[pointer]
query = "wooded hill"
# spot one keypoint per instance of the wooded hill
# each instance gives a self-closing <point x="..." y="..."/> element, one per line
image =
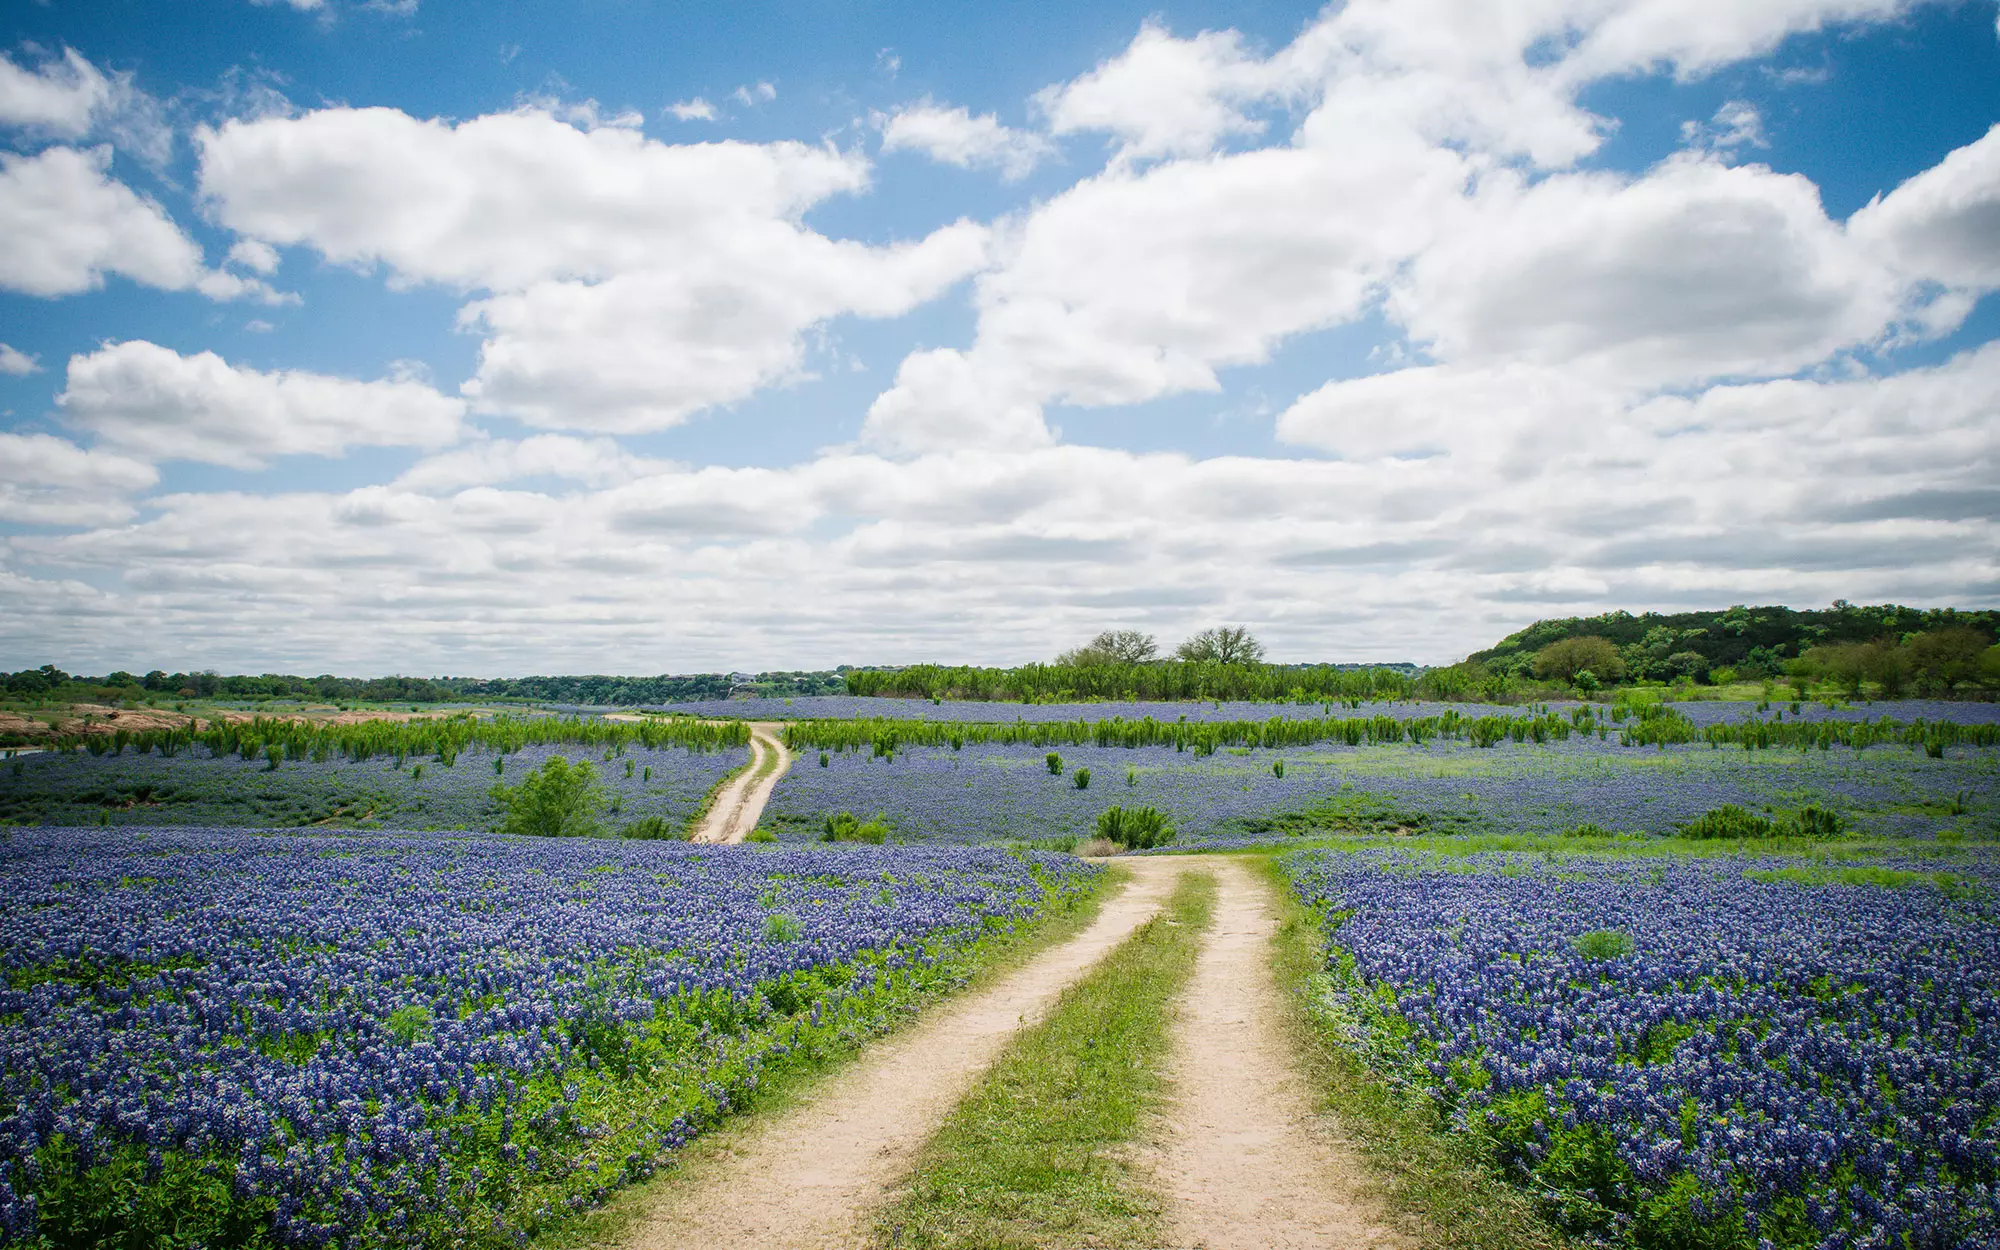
<point x="1754" y="642"/>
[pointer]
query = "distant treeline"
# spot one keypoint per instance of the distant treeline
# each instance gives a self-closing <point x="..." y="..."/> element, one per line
<point x="1747" y="642"/>
<point x="278" y="740"/>
<point x="49" y="681"/>
<point x="1157" y="681"/>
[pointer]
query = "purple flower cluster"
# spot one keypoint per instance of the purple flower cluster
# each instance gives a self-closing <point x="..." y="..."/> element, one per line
<point x="195" y="788"/>
<point x="1693" y="1051"/>
<point x="986" y="792"/>
<point x="359" y="1037"/>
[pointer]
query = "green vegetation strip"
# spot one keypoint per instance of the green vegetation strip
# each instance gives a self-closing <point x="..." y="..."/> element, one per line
<point x="1433" y="1181"/>
<point x="1035" y="1155"/>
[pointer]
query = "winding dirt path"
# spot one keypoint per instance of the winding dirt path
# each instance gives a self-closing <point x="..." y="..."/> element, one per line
<point x="740" y="805"/>
<point x="809" y="1178"/>
<point x="1245" y="1162"/>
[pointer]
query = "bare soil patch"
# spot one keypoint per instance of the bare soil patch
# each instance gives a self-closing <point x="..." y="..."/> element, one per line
<point x="740" y="804"/>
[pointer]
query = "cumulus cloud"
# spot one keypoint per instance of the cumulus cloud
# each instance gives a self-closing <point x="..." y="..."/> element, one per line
<point x="68" y="98"/>
<point x="955" y="137"/>
<point x="1165" y="96"/>
<point x="16" y="363"/>
<point x="1696" y="270"/>
<point x="631" y="282"/>
<point x="65" y="223"/>
<point x="150" y="401"/>
<point x="1943" y="225"/>
<point x="45" y="480"/>
<point x="695" y="110"/>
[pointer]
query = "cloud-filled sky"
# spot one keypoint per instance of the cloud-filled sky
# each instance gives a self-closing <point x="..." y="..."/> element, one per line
<point x="407" y="336"/>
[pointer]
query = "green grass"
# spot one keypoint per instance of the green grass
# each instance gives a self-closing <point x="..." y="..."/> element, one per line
<point x="792" y="1081"/>
<point x="1867" y="874"/>
<point x="1035" y="1156"/>
<point x="1435" y="1186"/>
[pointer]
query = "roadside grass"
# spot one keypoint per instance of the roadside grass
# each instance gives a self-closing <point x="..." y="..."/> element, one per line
<point x="799" y="1077"/>
<point x="1433" y="1183"/>
<point x="1035" y="1156"/>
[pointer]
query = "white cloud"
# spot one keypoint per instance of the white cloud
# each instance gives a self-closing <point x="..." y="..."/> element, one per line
<point x="16" y="363"/>
<point x="153" y="402"/>
<point x="955" y="137"/>
<point x="1696" y="270"/>
<point x="61" y="97"/>
<point x="45" y="480"/>
<point x="65" y="223"/>
<point x="1165" y="96"/>
<point x="303" y="6"/>
<point x="69" y="98"/>
<point x="631" y="282"/>
<point x="753" y="94"/>
<point x="1944" y="224"/>
<point x="1737" y="124"/>
<point x="695" y="110"/>
<point x="1798" y="491"/>
<point x="596" y="462"/>
<point x="255" y="256"/>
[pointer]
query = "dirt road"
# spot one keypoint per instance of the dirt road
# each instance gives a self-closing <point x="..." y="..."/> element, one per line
<point x="809" y="1178"/>
<point x="738" y="807"/>
<point x="1243" y="1161"/>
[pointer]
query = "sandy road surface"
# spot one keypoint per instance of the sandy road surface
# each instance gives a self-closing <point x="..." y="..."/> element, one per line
<point x="737" y="809"/>
<point x="1244" y="1162"/>
<point x="809" y="1178"/>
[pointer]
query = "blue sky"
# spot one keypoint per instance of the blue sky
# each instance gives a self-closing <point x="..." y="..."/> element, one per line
<point x="621" y="337"/>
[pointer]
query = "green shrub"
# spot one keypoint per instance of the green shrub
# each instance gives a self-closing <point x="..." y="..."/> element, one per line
<point x="1137" y="828"/>
<point x="557" y="800"/>
<point x="1278" y="769"/>
<point x="847" y="827"/>
<point x="778" y="927"/>
<point x="1813" y="821"/>
<point x="655" y="829"/>
<point x="1727" y="821"/>
<point x="1591" y="830"/>
<point x="1082" y="778"/>
<point x="761" y="835"/>
<point x="1055" y="763"/>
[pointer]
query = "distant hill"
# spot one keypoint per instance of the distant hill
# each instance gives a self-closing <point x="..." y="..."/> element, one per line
<point x="1756" y="642"/>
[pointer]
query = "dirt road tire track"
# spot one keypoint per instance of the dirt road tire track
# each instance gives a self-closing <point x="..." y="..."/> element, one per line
<point x="740" y="804"/>
<point x="1244" y="1162"/>
<point x="810" y="1178"/>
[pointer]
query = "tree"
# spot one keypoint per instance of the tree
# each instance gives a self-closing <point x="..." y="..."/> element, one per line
<point x="1942" y="658"/>
<point x="1224" y="644"/>
<point x="557" y="800"/>
<point x="1587" y="653"/>
<point x="1114" y="646"/>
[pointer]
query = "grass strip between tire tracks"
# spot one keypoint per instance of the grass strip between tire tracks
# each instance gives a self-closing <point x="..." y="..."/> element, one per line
<point x="1036" y="1154"/>
<point x="798" y="1076"/>
<point x="1435" y="1183"/>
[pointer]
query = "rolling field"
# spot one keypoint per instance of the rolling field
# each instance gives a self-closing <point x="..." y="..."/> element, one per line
<point x="1746" y="1051"/>
<point x="236" y="1038"/>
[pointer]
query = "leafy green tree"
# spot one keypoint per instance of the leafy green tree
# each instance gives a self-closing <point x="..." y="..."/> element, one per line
<point x="1224" y="644"/>
<point x="1942" y="658"/>
<point x="1114" y="646"/>
<point x="1562" y="661"/>
<point x="557" y="800"/>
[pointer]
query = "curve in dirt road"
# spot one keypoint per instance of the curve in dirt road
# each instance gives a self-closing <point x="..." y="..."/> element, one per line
<point x="811" y="1177"/>
<point x="740" y="804"/>
<point x="1245" y="1162"/>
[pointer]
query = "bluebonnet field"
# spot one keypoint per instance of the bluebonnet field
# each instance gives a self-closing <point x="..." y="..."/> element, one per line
<point x="1710" y="1052"/>
<point x="196" y="787"/>
<point x="365" y="1039"/>
<point x="985" y="792"/>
